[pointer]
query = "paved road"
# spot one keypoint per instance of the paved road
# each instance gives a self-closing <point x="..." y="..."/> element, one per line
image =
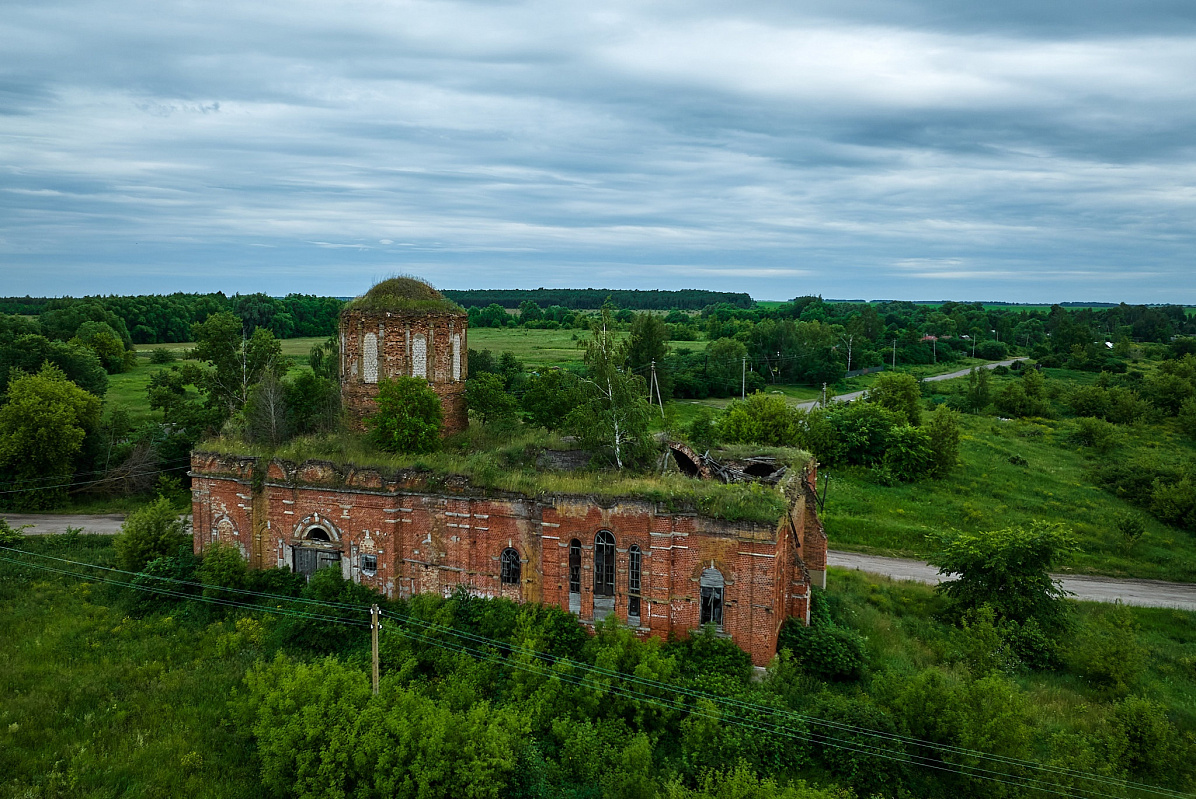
<point x="854" y="395"/>
<point x="47" y="523"/>
<point x="1147" y="593"/>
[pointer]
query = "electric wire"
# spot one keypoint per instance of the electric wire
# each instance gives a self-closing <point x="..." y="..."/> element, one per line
<point x="859" y="747"/>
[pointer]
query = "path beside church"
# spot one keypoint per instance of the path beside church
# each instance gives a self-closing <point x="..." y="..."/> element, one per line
<point x="1147" y="593"/>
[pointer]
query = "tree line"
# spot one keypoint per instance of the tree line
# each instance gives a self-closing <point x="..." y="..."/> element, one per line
<point x="579" y="299"/>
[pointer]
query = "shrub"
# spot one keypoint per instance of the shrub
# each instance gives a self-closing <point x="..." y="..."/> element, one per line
<point x="991" y="350"/>
<point x="10" y="537"/>
<point x="1130" y="527"/>
<point x="1150" y="745"/>
<point x="943" y="430"/>
<point x="900" y="394"/>
<point x="824" y="649"/>
<point x="222" y="567"/>
<point x="760" y="419"/>
<point x="908" y="455"/>
<point x="164" y="573"/>
<point x="1186" y="418"/>
<point x="152" y="531"/>
<point x="408" y="418"/>
<point x="488" y="400"/>
<point x="1095" y="433"/>
<point x="161" y="355"/>
<point x="1008" y="568"/>
<point x="1106" y="651"/>
<point x="1174" y="503"/>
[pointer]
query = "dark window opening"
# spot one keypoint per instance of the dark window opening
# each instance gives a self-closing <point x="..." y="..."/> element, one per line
<point x="634" y="564"/>
<point x="369" y="563"/>
<point x="574" y="566"/>
<point x="604" y="564"/>
<point x="633" y="609"/>
<point x="712" y="584"/>
<point x="317" y="534"/>
<point x="761" y="469"/>
<point x="510" y="567"/>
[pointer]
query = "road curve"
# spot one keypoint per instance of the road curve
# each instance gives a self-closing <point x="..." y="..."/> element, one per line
<point x="1145" y="593"/>
<point x="854" y="395"/>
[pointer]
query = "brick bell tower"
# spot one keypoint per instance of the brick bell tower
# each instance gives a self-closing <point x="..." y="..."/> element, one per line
<point x="403" y="326"/>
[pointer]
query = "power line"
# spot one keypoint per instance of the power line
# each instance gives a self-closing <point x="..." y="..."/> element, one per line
<point x="860" y="748"/>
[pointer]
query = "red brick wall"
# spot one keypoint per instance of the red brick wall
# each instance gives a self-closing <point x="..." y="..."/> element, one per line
<point x="431" y="542"/>
<point x="395" y="336"/>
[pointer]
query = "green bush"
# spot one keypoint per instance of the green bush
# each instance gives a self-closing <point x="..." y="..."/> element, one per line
<point x="908" y="454"/>
<point x="162" y="355"/>
<point x="222" y="567"/>
<point x="760" y="419"/>
<point x="824" y="649"/>
<point x="408" y="418"/>
<point x="1106" y="652"/>
<point x="10" y="537"/>
<point x="488" y="400"/>
<point x="1095" y="433"/>
<point x="899" y="393"/>
<point x="152" y="531"/>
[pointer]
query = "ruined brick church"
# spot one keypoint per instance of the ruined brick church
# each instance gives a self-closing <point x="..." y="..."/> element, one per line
<point x="661" y="571"/>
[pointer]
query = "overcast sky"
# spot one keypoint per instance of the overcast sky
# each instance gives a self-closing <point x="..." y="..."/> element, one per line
<point x="915" y="149"/>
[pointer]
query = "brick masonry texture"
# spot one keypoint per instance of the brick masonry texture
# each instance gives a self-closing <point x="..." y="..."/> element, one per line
<point x="433" y="537"/>
<point x="381" y="344"/>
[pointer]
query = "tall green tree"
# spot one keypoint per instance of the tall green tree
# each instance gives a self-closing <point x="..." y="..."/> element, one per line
<point x="615" y="410"/>
<point x="900" y="393"/>
<point x="43" y="423"/>
<point x="238" y="362"/>
<point x="488" y="399"/>
<point x="648" y="345"/>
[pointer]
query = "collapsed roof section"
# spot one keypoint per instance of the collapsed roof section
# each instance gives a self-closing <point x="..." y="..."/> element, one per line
<point x="756" y="469"/>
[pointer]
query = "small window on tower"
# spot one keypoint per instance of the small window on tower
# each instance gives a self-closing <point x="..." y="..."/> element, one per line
<point x="369" y="564"/>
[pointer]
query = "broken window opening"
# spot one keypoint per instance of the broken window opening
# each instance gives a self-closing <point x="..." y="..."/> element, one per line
<point x="712" y="585"/>
<point x="318" y="534"/>
<point x="511" y="567"/>
<point x="687" y="466"/>
<point x="574" y="566"/>
<point x="634" y="563"/>
<point x="604" y="564"/>
<point x="369" y="564"/>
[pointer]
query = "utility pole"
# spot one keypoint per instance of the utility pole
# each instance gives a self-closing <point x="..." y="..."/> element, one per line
<point x="824" y="395"/>
<point x="374" y="624"/>
<point x="894" y="353"/>
<point x="743" y="385"/>
<point x="656" y="385"/>
<point x="934" y="348"/>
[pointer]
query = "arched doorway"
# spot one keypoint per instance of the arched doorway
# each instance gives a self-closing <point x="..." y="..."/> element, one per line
<point x="317" y="550"/>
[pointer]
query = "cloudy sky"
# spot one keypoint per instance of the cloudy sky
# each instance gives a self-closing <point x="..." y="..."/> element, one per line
<point x="917" y="149"/>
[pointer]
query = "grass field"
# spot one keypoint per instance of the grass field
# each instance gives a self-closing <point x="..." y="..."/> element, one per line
<point x="103" y="700"/>
<point x="988" y="491"/>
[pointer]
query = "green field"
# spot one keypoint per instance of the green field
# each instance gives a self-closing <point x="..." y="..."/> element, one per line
<point x="108" y="693"/>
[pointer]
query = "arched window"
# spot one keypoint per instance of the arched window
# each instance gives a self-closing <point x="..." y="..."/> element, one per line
<point x="317" y="534"/>
<point x="634" y="569"/>
<point x="456" y="357"/>
<point x="574" y="566"/>
<point x="712" y="596"/>
<point x="604" y="564"/>
<point x="510" y="567"/>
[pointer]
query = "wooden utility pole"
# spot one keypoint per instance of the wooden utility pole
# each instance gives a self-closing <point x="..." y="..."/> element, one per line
<point x="656" y="385"/>
<point x="894" y="353"/>
<point x="743" y="385"/>
<point x="374" y="624"/>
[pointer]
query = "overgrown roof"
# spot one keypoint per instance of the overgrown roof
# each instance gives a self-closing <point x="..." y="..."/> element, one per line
<point x="494" y="470"/>
<point x="404" y="294"/>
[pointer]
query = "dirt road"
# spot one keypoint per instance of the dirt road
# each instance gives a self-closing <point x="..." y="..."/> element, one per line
<point x="1146" y="593"/>
<point x="854" y="395"/>
<point x="46" y="524"/>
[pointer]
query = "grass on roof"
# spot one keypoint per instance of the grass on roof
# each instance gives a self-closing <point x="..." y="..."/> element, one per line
<point x="404" y="294"/>
<point x="508" y="464"/>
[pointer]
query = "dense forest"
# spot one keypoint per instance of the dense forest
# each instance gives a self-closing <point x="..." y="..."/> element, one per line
<point x="578" y="299"/>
